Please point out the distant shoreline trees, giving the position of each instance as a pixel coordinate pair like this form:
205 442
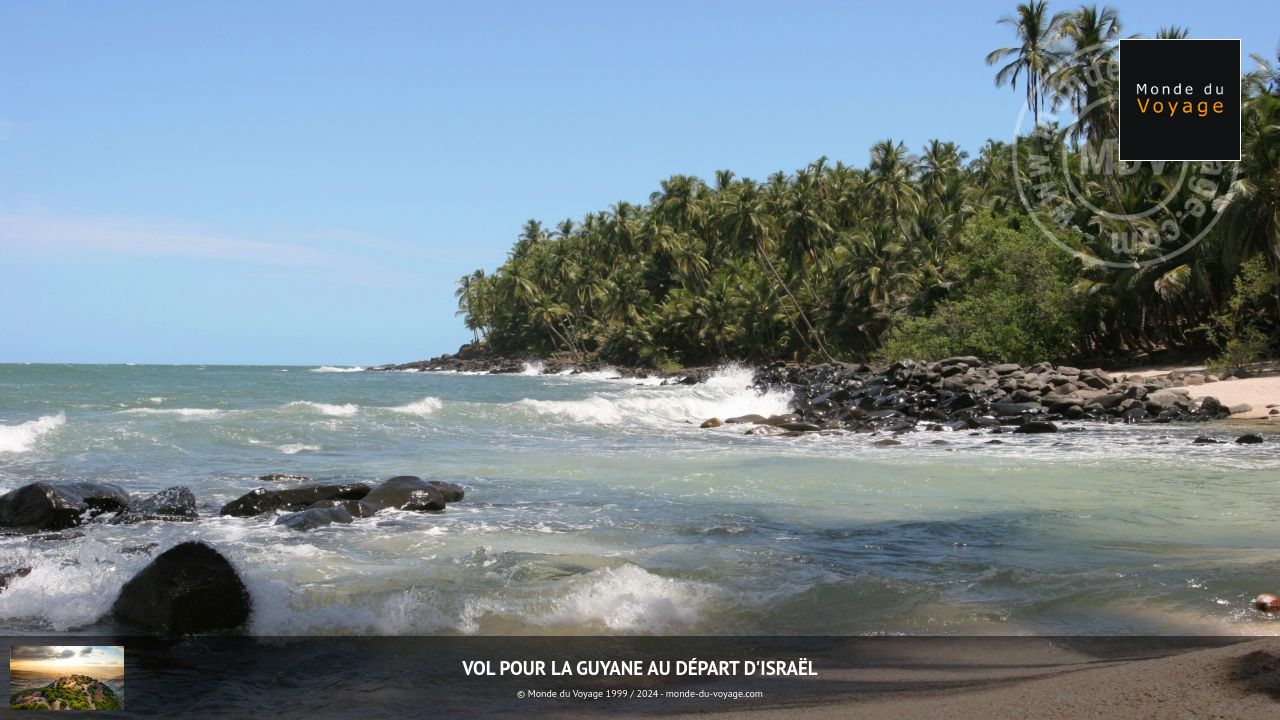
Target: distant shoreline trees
915 255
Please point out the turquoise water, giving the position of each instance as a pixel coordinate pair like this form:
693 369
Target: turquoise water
597 505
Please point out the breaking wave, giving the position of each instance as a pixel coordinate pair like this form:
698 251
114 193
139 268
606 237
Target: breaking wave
332 369
21 437
326 408
728 392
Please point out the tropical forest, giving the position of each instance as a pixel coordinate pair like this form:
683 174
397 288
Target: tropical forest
927 252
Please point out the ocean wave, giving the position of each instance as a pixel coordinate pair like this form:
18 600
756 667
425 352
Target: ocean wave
182 412
728 392
533 367
423 407
326 408
21 437
629 599
295 448
333 369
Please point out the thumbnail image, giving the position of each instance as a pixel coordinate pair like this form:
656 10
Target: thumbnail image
66 677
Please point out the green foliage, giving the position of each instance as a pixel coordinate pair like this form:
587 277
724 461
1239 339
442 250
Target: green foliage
1233 330
1016 302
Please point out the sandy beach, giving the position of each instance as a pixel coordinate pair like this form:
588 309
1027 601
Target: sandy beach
1050 680
1262 394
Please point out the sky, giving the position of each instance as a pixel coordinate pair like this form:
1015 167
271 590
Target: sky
303 182
94 660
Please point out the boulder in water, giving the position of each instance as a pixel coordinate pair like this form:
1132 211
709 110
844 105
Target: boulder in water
711 423
315 517
8 574
1036 427
452 492
55 506
189 588
171 504
357 508
1250 439
263 500
406 492
283 477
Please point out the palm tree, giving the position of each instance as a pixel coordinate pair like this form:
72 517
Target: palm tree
1035 54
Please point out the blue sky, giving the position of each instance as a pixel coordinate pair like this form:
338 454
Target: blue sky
302 182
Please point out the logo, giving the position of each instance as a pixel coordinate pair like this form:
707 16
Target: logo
1084 198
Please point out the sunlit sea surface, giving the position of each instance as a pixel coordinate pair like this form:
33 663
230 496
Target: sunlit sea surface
596 505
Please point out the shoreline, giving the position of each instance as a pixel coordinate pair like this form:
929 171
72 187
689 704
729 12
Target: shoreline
958 393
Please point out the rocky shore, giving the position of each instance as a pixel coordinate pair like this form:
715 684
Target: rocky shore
965 393
476 358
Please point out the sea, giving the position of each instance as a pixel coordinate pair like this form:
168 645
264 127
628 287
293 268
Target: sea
596 505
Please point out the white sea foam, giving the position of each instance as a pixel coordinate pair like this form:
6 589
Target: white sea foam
181 412
332 369
423 407
326 408
533 367
156 399
295 448
728 392
629 599
21 437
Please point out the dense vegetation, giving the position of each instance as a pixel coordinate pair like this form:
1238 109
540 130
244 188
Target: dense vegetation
922 255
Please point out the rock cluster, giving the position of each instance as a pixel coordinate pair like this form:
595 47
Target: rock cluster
962 393
56 506
311 506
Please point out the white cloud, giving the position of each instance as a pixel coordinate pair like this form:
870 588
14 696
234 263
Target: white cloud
44 233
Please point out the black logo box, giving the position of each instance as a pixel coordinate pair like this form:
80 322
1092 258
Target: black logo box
1179 63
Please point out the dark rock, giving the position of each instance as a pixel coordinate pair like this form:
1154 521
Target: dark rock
1004 408
315 517
356 508
54 506
262 500
753 418
406 492
452 492
887 442
800 426
189 588
8 574
171 504
1036 426
1006 368
1205 440
1250 439
711 423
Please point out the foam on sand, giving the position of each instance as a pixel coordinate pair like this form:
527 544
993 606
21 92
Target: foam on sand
21 437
